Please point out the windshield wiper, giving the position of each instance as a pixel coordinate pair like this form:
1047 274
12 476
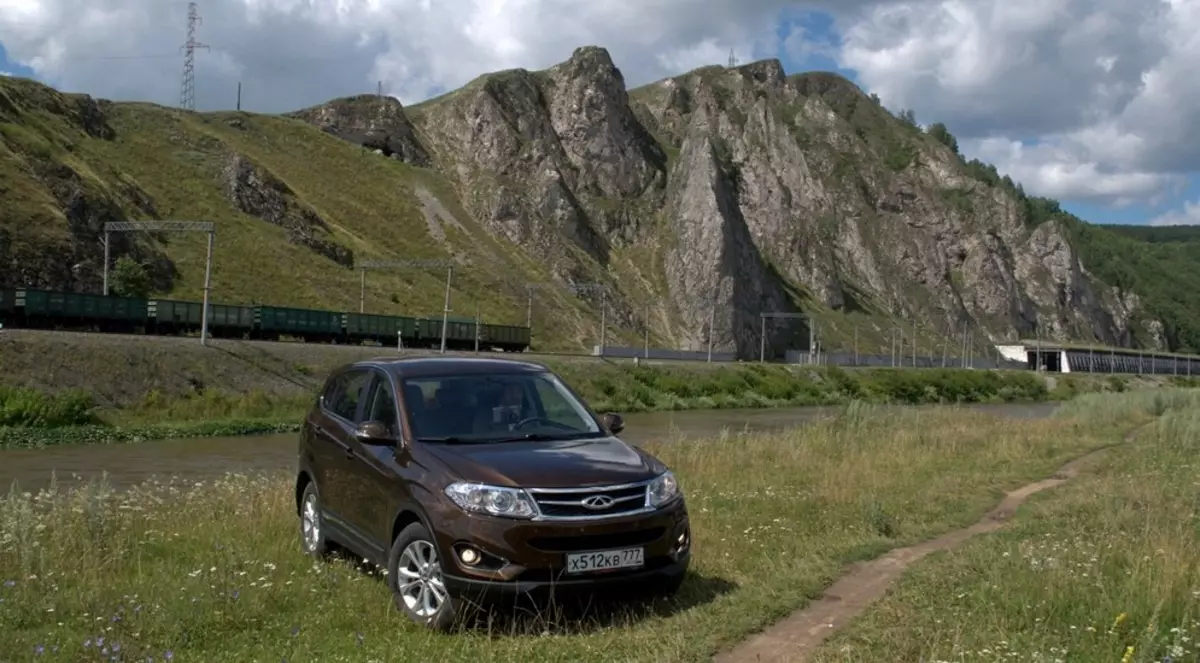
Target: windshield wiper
442 440
528 437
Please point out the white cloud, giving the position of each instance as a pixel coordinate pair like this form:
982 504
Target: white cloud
7 73
1104 87
291 53
1189 215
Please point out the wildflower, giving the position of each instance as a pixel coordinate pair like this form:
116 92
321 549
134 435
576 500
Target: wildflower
1128 651
1119 620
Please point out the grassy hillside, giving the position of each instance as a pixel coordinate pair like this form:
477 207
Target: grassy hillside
375 207
69 164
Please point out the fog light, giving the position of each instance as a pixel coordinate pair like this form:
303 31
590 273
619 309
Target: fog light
469 556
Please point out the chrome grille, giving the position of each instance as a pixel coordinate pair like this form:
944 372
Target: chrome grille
590 503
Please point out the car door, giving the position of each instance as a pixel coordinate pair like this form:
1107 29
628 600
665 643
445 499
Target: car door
373 494
334 431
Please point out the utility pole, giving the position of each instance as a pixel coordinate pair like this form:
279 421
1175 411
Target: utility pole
914 342
476 327
448 265
378 265
170 226
762 338
646 331
712 318
580 288
239 99
446 306
187 92
762 341
529 288
812 344
945 344
603 321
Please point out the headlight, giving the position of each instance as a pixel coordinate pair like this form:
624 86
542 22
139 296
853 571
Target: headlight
662 490
492 500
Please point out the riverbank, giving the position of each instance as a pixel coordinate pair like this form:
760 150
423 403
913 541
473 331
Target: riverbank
104 389
163 575
1106 568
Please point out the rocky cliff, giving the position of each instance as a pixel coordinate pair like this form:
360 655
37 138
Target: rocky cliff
723 199
761 193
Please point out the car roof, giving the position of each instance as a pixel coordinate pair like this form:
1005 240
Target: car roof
406 367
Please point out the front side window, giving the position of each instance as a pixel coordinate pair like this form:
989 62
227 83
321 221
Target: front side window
494 407
346 392
383 406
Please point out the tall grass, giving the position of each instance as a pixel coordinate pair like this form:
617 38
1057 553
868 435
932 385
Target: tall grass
212 405
619 387
24 407
775 518
1106 568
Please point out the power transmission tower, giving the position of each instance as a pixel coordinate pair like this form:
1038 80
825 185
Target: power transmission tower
187 92
732 60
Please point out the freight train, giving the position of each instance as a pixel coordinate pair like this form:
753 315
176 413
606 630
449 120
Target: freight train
75 311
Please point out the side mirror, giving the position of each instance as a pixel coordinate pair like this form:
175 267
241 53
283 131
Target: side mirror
374 432
613 422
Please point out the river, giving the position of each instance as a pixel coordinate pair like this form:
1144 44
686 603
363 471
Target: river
206 458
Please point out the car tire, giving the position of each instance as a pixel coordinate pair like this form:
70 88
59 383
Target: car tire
312 530
414 574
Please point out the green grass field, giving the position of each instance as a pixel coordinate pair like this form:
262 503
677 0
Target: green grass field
775 517
1106 568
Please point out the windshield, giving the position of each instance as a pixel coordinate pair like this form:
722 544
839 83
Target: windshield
495 407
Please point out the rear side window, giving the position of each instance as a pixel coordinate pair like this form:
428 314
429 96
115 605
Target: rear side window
345 392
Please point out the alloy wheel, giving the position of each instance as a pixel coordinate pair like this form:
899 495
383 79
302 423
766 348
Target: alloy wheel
420 579
310 523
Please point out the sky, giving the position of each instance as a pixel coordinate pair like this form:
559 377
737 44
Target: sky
1092 102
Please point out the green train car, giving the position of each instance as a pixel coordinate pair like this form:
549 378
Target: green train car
46 309
272 322
381 328
169 316
52 309
503 336
8 305
460 333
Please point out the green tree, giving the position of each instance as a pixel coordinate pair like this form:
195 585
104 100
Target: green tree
129 278
941 134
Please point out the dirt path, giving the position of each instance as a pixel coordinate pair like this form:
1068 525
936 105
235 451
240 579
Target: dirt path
799 634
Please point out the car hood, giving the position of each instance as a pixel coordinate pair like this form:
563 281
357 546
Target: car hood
549 464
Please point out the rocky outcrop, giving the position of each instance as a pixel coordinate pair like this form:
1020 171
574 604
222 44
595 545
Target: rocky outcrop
257 192
762 185
375 122
544 159
715 204
74 260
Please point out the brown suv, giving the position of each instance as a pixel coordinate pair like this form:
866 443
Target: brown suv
468 478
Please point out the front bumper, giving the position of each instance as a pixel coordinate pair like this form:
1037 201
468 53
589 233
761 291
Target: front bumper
526 557
487 590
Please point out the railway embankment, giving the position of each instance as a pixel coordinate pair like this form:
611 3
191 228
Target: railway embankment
69 387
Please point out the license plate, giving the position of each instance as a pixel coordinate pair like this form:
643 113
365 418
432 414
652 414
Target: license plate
606 560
